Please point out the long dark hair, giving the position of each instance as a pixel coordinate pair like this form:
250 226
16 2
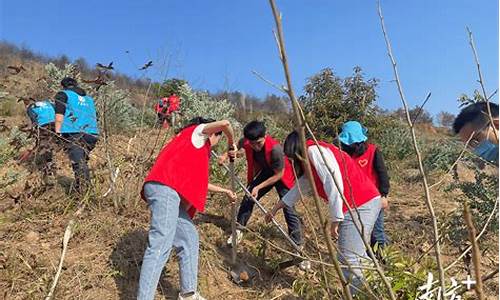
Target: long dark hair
197 121
294 151
355 149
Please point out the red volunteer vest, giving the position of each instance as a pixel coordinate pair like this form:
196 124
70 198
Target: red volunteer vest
173 103
365 162
358 189
159 107
288 178
184 168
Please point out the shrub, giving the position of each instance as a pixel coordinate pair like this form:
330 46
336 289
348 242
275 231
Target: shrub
440 155
330 101
404 273
481 195
198 103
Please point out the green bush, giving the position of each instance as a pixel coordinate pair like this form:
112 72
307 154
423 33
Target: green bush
200 104
440 155
404 273
481 195
394 140
329 101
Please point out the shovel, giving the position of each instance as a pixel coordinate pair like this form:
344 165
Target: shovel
230 169
240 274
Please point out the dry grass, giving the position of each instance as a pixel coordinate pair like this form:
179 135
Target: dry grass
105 253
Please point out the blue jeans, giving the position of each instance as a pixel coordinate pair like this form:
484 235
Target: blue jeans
352 251
378 233
170 226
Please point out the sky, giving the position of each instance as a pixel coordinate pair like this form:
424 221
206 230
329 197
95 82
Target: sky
216 45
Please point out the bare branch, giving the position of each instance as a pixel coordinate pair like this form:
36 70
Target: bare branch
476 254
420 108
299 124
481 80
455 162
419 157
490 217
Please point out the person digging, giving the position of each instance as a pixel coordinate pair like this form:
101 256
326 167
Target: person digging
267 167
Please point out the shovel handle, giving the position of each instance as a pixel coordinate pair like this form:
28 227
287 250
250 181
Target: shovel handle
233 213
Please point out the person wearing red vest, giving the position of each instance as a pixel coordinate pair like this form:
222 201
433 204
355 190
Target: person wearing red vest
369 158
161 108
175 189
174 105
349 182
267 167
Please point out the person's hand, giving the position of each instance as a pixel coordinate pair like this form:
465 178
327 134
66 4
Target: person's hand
255 192
385 203
269 216
231 151
222 159
334 229
231 195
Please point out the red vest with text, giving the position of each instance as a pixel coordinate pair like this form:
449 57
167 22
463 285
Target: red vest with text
184 168
358 188
288 178
365 162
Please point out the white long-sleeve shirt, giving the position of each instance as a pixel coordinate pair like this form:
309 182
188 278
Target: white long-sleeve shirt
332 192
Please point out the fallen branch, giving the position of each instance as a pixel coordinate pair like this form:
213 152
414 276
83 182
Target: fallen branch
67 235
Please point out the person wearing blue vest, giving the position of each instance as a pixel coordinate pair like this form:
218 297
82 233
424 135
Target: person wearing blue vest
76 122
42 116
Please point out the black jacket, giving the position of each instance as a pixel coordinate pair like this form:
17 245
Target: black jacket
381 170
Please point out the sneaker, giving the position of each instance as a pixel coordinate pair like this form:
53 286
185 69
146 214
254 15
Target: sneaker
239 237
194 296
305 265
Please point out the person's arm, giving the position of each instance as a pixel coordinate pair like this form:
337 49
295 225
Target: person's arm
332 192
291 197
278 166
224 126
217 189
381 170
330 184
60 107
58 123
240 152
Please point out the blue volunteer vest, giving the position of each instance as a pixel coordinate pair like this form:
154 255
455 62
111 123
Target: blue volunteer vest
42 113
80 115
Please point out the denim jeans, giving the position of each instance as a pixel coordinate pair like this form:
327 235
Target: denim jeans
291 217
352 251
378 233
170 226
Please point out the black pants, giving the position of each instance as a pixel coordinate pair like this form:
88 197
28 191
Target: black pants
291 217
78 147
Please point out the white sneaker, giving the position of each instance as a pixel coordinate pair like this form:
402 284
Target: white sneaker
305 265
195 296
239 237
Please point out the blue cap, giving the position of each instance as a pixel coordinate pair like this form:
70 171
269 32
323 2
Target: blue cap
353 132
